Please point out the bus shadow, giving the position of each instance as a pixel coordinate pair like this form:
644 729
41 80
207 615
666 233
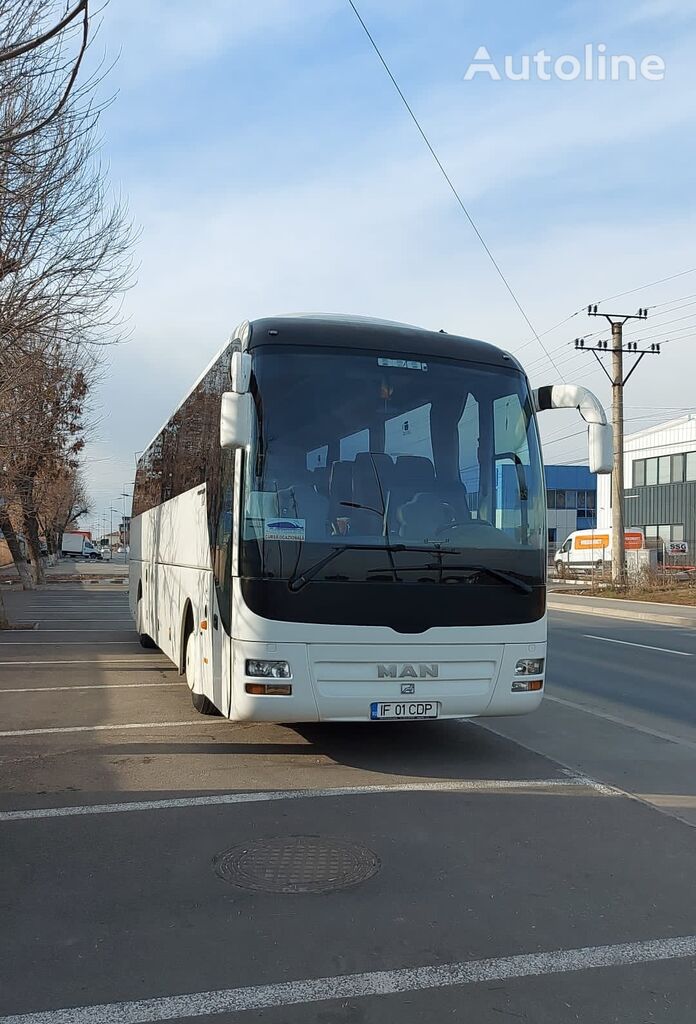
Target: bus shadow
456 750
453 749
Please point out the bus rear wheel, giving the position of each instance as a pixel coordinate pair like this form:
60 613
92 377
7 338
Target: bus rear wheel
200 702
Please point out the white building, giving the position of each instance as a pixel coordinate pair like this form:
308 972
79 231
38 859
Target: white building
659 481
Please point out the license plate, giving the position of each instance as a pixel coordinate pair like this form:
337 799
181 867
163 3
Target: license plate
404 709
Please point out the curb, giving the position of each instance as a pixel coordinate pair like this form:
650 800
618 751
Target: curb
623 613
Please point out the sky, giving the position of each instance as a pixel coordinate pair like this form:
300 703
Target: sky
270 167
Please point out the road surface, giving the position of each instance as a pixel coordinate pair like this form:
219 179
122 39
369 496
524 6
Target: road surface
536 869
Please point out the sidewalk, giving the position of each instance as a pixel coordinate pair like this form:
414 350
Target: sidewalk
71 571
635 611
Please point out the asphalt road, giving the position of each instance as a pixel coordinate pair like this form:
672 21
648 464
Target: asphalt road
535 869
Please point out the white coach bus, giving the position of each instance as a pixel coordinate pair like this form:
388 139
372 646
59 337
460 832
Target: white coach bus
345 520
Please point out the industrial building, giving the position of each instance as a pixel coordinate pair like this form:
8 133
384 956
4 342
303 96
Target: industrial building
659 483
571 499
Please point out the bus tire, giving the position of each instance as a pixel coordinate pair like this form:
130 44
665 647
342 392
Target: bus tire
145 639
200 702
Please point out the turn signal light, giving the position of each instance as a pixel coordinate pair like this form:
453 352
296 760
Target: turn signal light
527 685
269 689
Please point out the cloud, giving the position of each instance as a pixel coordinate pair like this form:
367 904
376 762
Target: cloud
172 35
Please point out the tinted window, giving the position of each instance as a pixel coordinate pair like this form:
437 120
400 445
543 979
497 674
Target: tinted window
664 469
186 452
651 471
691 466
638 472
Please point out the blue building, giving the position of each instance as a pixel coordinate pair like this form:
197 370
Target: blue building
571 499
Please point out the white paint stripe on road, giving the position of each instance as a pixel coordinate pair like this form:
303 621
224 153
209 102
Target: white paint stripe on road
93 629
617 720
90 686
146 660
65 643
372 983
101 728
270 796
646 647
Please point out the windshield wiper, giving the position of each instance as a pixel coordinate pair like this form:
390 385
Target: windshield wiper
499 574
296 582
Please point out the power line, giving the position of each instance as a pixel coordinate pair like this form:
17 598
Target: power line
452 187
631 291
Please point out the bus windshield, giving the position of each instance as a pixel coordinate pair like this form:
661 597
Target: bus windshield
434 461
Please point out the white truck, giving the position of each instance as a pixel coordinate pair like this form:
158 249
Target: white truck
76 545
591 549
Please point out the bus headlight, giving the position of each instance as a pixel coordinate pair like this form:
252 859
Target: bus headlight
267 669
529 667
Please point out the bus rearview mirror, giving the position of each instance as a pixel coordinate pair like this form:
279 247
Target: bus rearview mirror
235 420
600 437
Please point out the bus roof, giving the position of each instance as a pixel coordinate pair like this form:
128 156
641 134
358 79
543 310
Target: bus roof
342 331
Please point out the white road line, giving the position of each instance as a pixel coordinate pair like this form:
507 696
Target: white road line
102 728
646 647
372 983
91 686
93 629
146 660
269 796
65 643
617 720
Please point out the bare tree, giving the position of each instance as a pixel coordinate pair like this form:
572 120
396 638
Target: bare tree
61 498
65 248
44 436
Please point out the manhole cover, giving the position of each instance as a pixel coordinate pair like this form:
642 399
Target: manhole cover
297 864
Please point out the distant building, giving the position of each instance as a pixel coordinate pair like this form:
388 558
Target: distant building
571 499
659 482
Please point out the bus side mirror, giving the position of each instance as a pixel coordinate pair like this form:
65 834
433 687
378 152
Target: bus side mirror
600 439
235 420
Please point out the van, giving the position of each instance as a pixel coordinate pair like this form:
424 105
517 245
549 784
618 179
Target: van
590 549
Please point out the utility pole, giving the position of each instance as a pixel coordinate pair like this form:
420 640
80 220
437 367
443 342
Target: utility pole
618 383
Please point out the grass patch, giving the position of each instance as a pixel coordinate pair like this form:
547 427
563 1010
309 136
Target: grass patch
655 594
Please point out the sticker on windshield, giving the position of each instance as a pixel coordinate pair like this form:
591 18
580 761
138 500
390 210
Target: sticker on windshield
283 529
403 364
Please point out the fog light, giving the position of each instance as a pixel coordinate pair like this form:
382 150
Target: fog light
268 669
526 685
529 667
269 689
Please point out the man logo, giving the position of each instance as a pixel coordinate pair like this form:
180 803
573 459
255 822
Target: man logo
408 671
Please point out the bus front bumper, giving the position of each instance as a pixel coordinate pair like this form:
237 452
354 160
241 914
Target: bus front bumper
344 682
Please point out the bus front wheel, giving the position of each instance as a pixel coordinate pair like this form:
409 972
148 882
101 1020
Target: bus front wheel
200 702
